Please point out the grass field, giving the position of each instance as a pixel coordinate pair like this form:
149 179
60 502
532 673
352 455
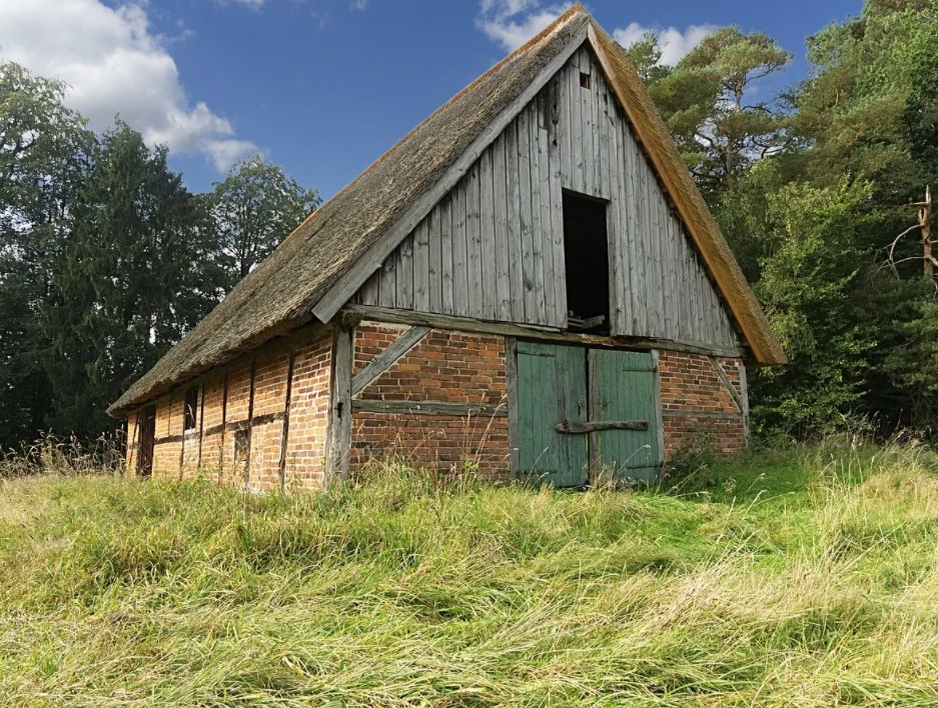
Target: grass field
806 577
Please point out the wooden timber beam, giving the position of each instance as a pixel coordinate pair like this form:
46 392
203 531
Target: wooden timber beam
727 384
386 359
446 408
354 314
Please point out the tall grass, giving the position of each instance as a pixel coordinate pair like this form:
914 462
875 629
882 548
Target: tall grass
806 577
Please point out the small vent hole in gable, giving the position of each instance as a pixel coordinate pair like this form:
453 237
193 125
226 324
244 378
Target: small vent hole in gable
584 80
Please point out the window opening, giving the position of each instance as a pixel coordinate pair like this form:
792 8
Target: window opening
191 404
241 445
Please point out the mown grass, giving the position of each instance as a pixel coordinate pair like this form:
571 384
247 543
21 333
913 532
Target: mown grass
805 577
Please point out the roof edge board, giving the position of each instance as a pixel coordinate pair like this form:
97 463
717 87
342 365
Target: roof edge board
343 290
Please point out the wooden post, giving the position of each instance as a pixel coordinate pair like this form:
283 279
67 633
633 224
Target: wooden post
285 432
224 422
247 462
339 437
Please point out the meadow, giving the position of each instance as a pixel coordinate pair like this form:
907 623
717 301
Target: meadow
799 576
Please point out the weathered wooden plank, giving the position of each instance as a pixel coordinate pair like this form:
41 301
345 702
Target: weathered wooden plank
386 359
659 407
422 266
744 395
339 437
525 212
359 313
727 384
537 159
285 428
388 285
568 428
502 248
489 282
460 248
556 275
584 130
435 265
442 408
639 228
405 273
513 201
701 414
475 285
621 280
446 250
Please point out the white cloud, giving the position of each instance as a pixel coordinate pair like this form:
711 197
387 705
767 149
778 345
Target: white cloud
115 65
675 45
511 23
359 4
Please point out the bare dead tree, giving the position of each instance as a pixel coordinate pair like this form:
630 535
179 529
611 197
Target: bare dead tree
924 227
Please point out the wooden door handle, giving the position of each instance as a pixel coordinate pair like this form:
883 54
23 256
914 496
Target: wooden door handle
598 426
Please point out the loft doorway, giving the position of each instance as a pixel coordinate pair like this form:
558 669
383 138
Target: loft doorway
586 255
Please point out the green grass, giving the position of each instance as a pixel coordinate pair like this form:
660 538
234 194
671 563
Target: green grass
802 577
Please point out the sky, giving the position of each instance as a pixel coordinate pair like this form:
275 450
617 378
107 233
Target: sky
324 87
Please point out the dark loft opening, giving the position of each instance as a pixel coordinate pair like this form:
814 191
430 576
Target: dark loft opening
584 80
586 252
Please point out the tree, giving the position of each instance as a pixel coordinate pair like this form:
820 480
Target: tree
646 56
138 271
254 208
43 155
811 287
703 100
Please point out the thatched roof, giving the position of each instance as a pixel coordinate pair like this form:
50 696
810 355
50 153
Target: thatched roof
278 296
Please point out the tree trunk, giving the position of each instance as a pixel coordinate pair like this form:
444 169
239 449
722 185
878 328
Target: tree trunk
924 218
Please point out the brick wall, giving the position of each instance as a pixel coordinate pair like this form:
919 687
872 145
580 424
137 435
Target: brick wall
309 411
697 409
447 367
209 448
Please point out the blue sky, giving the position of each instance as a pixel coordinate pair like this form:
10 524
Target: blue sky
321 87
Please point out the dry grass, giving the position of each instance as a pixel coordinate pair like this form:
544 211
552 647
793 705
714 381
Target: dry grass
802 578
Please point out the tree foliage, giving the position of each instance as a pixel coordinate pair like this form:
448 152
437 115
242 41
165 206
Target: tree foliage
706 102
135 273
106 259
253 208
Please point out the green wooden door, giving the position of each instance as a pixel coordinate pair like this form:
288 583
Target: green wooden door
551 390
622 387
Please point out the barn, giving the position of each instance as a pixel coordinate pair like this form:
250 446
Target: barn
528 284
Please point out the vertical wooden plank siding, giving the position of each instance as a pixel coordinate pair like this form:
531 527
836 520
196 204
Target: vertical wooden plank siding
493 248
487 243
624 388
551 383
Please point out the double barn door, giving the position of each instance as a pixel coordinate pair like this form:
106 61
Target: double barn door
583 413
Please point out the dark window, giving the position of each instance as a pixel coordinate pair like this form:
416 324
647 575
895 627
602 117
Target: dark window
586 252
241 439
192 404
584 80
